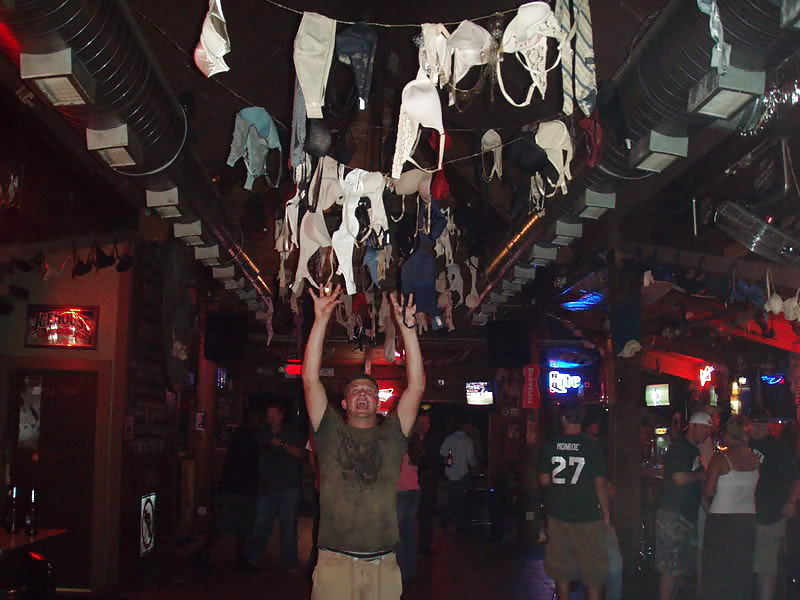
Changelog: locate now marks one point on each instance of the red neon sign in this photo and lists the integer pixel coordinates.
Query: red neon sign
(705, 375)
(293, 367)
(70, 327)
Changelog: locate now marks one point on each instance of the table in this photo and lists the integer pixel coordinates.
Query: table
(9, 543)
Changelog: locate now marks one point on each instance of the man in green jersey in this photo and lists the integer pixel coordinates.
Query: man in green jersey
(573, 472)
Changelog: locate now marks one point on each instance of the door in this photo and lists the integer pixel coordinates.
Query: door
(53, 441)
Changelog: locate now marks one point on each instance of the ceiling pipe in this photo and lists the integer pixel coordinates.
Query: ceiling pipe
(129, 89)
(655, 84)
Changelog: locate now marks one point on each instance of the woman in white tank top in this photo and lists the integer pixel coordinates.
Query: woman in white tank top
(730, 529)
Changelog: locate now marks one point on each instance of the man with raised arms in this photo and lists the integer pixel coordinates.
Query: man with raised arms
(359, 464)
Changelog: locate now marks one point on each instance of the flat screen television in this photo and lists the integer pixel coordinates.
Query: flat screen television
(479, 393)
(657, 394)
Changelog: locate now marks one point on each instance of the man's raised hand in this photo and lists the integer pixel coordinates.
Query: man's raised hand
(325, 301)
(404, 309)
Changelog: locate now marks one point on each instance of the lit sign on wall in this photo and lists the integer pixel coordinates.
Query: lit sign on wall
(773, 379)
(386, 400)
(50, 326)
(705, 375)
(561, 383)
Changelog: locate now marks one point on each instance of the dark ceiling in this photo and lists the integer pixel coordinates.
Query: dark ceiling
(261, 74)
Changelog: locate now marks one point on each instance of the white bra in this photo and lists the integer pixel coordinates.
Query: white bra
(214, 42)
(526, 37)
(553, 137)
(313, 236)
(420, 107)
(492, 142)
(469, 46)
(434, 56)
(356, 185)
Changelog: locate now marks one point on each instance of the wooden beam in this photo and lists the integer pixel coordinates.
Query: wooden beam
(751, 270)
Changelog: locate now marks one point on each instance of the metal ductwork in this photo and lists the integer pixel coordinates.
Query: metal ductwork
(129, 90)
(672, 57)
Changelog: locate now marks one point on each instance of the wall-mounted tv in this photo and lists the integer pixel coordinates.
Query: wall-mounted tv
(479, 393)
(657, 394)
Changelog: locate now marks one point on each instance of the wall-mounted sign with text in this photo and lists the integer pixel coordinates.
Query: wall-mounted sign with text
(50, 326)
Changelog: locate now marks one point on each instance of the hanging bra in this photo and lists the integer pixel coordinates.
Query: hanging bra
(356, 46)
(326, 187)
(456, 282)
(434, 58)
(594, 138)
(415, 181)
(254, 135)
(526, 37)
(356, 185)
(492, 142)
(313, 236)
(470, 46)
(553, 137)
(214, 42)
(420, 108)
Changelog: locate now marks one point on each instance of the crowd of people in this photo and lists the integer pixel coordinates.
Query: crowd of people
(719, 526)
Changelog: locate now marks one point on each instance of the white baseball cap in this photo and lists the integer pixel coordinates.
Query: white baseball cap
(701, 418)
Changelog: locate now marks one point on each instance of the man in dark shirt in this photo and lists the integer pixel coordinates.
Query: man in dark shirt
(359, 466)
(777, 494)
(280, 475)
(238, 486)
(573, 472)
(676, 519)
(429, 469)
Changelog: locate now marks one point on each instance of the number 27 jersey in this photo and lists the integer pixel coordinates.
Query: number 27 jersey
(572, 462)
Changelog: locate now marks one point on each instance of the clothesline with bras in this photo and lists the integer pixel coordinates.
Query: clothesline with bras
(394, 25)
(233, 92)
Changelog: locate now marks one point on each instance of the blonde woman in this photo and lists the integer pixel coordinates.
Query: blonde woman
(729, 497)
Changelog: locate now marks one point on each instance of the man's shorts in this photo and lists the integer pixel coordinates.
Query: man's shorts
(676, 544)
(341, 577)
(576, 548)
(768, 545)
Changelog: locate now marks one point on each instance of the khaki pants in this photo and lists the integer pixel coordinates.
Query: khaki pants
(341, 577)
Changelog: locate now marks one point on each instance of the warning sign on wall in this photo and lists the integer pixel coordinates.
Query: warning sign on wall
(147, 524)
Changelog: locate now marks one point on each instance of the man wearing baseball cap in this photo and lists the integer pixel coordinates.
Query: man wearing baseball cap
(777, 494)
(676, 519)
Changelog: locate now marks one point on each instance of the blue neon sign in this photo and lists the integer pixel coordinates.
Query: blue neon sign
(562, 383)
(773, 379)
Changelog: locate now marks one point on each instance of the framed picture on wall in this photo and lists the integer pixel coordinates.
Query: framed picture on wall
(62, 326)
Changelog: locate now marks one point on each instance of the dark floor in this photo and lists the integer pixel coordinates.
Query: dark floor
(463, 568)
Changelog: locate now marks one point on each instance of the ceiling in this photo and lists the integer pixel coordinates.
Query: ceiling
(261, 74)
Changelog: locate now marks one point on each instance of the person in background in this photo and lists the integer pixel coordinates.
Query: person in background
(458, 452)
(676, 518)
(408, 494)
(238, 487)
(777, 495)
(313, 464)
(731, 526)
(592, 428)
(359, 465)
(279, 484)
(572, 472)
(428, 469)
(706, 449)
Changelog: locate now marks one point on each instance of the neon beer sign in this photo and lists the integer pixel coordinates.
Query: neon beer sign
(562, 383)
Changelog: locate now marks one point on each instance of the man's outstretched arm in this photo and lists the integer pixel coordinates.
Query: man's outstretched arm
(316, 398)
(408, 405)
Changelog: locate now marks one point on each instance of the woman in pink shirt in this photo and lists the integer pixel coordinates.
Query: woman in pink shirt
(407, 504)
